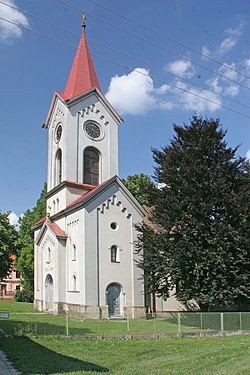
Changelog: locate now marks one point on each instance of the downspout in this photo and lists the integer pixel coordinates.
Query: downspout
(153, 293)
(78, 178)
(98, 261)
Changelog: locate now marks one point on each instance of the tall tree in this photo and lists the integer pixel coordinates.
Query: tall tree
(25, 260)
(8, 244)
(141, 187)
(203, 212)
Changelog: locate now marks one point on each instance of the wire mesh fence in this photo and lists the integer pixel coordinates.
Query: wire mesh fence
(175, 323)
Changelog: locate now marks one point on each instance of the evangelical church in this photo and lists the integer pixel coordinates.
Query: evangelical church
(84, 248)
(85, 260)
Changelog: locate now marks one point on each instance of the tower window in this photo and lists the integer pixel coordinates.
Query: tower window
(91, 160)
(58, 171)
(74, 252)
(114, 253)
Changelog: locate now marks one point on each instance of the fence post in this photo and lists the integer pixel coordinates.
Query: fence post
(240, 322)
(179, 323)
(201, 321)
(222, 321)
(154, 322)
(67, 325)
(128, 328)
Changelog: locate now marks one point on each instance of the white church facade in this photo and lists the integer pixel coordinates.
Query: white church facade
(84, 248)
(84, 252)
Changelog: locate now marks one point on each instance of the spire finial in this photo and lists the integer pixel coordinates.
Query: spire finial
(83, 21)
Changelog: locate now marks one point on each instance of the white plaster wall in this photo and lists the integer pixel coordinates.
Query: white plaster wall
(59, 115)
(37, 268)
(45, 266)
(74, 139)
(62, 198)
(57, 202)
(75, 231)
(110, 207)
(91, 109)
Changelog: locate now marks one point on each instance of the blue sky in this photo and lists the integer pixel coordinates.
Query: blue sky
(149, 84)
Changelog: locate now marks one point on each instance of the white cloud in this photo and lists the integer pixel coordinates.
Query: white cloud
(226, 45)
(135, 94)
(246, 66)
(248, 155)
(132, 93)
(229, 42)
(13, 218)
(226, 71)
(182, 68)
(247, 63)
(214, 84)
(9, 31)
(231, 90)
(205, 51)
(197, 99)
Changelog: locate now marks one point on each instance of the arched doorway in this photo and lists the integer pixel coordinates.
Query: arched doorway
(114, 299)
(49, 292)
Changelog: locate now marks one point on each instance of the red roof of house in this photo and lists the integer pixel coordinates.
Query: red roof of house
(86, 195)
(79, 184)
(57, 230)
(39, 222)
(82, 76)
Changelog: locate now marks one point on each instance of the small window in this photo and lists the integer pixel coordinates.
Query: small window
(58, 167)
(74, 252)
(58, 133)
(114, 252)
(113, 226)
(18, 287)
(49, 256)
(17, 275)
(74, 282)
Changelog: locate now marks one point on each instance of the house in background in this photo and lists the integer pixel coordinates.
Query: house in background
(11, 283)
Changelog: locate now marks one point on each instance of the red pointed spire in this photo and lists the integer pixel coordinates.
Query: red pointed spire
(82, 76)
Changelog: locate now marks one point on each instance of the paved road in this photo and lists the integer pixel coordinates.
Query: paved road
(5, 366)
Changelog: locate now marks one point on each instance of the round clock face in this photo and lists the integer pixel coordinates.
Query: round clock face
(58, 133)
(93, 130)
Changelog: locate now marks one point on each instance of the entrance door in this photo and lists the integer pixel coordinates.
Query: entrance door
(49, 292)
(114, 292)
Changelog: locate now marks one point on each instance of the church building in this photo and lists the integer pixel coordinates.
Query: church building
(85, 261)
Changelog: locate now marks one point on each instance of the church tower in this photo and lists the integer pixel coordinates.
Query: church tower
(83, 134)
(84, 249)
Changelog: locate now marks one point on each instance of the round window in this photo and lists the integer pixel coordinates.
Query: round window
(113, 226)
(58, 132)
(93, 130)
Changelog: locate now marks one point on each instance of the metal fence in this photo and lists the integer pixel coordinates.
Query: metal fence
(161, 324)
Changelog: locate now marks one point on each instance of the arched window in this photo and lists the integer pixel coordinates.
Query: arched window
(49, 255)
(91, 161)
(114, 254)
(58, 167)
(74, 282)
(74, 252)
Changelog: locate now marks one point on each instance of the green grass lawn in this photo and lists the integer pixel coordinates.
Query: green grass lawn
(24, 320)
(50, 355)
(33, 354)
